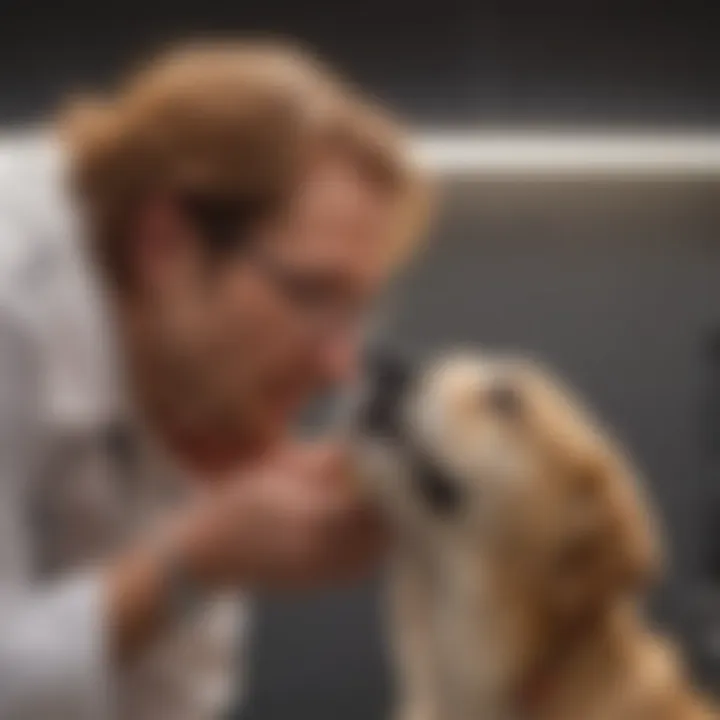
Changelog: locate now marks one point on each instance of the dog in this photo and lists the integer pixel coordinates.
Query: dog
(524, 547)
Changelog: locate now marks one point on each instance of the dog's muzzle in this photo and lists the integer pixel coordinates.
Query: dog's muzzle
(390, 378)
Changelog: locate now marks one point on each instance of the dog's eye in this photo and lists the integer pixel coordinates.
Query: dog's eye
(504, 399)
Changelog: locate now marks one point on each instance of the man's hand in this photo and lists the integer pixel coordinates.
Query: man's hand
(296, 521)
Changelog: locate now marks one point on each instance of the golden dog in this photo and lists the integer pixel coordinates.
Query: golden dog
(524, 548)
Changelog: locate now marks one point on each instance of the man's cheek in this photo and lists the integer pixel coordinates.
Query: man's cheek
(338, 360)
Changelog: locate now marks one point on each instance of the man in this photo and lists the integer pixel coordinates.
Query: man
(180, 269)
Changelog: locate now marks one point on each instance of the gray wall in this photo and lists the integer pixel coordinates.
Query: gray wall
(616, 285)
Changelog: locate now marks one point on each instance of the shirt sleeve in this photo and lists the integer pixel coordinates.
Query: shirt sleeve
(53, 650)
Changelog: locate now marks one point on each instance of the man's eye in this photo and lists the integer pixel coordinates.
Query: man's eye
(505, 400)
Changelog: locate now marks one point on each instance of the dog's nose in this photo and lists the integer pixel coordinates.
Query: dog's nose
(388, 375)
(388, 370)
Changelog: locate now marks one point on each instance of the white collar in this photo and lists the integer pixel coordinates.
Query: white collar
(73, 321)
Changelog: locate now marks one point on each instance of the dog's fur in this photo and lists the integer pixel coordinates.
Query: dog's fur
(519, 600)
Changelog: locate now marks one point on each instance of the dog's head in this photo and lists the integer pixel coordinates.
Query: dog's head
(493, 456)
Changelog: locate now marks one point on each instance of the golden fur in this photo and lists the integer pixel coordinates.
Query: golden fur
(523, 604)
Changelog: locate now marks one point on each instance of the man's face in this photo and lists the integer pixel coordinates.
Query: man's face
(257, 335)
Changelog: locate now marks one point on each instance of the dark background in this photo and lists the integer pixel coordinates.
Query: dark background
(519, 61)
(615, 283)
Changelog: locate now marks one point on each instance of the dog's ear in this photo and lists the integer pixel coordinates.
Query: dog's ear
(635, 537)
(610, 547)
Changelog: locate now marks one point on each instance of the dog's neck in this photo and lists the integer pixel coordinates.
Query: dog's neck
(502, 656)
(543, 665)
(574, 661)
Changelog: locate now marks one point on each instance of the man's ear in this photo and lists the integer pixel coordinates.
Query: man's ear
(162, 243)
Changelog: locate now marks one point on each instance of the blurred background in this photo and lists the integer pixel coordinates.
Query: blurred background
(607, 266)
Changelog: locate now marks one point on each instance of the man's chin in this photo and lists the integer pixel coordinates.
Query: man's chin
(257, 434)
(275, 416)
(215, 453)
(263, 430)
(217, 458)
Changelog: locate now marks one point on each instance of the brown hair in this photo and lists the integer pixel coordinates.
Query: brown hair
(228, 126)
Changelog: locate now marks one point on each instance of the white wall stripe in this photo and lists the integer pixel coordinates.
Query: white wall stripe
(498, 153)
